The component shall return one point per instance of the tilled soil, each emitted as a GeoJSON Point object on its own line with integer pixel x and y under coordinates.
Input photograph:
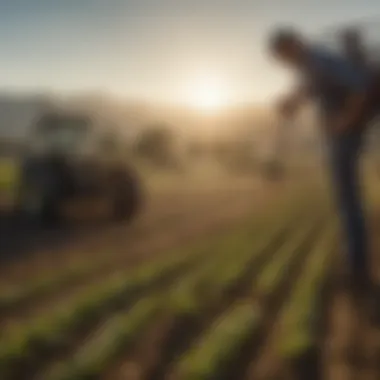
{"type": "Point", "coordinates": [350, 348]}
{"type": "Point", "coordinates": [157, 351]}
{"type": "Point", "coordinates": [195, 220]}
{"type": "Point", "coordinates": [350, 339]}
{"type": "Point", "coordinates": [164, 214]}
{"type": "Point", "coordinates": [352, 345]}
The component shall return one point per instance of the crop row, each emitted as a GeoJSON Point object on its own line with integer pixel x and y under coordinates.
{"type": "Point", "coordinates": [115, 336]}
{"type": "Point", "coordinates": [193, 308]}
{"type": "Point", "coordinates": [215, 353]}
{"type": "Point", "coordinates": [302, 319]}
{"type": "Point", "coordinates": [52, 332]}
{"type": "Point", "coordinates": [13, 296]}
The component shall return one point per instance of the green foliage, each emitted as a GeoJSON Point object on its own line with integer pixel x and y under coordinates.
{"type": "Point", "coordinates": [277, 267]}
{"type": "Point", "coordinates": [223, 339]}
{"type": "Point", "coordinates": [300, 318]}
{"type": "Point", "coordinates": [216, 266]}
{"type": "Point", "coordinates": [112, 338]}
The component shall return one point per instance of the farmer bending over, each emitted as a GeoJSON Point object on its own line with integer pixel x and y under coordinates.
{"type": "Point", "coordinates": [340, 90]}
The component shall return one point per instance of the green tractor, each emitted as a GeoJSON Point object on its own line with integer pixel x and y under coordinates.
{"type": "Point", "coordinates": [71, 157]}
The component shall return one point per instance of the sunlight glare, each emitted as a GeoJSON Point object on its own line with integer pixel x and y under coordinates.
{"type": "Point", "coordinates": [208, 94]}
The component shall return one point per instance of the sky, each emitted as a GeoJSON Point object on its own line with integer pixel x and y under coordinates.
{"type": "Point", "coordinates": [157, 50]}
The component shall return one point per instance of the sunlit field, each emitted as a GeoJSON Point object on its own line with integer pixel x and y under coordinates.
{"type": "Point", "coordinates": [166, 208]}
{"type": "Point", "coordinates": [221, 277]}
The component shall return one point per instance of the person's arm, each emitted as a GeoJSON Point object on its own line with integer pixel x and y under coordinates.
{"type": "Point", "coordinates": [289, 105]}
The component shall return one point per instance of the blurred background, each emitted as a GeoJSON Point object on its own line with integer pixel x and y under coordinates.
{"type": "Point", "coordinates": [191, 78]}
{"type": "Point", "coordinates": [130, 129]}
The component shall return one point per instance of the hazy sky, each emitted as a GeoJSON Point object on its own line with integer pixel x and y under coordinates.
{"type": "Point", "coordinates": [155, 49]}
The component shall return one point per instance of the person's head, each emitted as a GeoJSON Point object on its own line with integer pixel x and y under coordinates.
{"type": "Point", "coordinates": [352, 39]}
{"type": "Point", "coordinates": [288, 46]}
{"type": "Point", "coordinates": [353, 46]}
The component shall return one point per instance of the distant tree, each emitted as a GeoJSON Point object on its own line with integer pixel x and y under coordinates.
{"type": "Point", "coordinates": [157, 145]}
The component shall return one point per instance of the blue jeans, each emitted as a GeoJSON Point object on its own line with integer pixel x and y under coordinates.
{"type": "Point", "coordinates": [344, 164]}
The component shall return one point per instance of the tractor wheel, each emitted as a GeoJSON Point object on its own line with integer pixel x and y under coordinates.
{"type": "Point", "coordinates": [127, 199]}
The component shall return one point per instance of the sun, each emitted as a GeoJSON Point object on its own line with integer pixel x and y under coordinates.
{"type": "Point", "coordinates": [207, 94]}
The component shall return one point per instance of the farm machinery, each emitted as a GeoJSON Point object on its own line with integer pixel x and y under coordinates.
{"type": "Point", "coordinates": [68, 157]}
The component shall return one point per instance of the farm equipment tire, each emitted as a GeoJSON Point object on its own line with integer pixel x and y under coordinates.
{"type": "Point", "coordinates": [127, 197]}
{"type": "Point", "coordinates": [40, 200]}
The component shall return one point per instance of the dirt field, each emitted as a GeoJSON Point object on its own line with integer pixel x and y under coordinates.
{"type": "Point", "coordinates": [170, 220]}
{"type": "Point", "coordinates": [231, 315]}
{"type": "Point", "coordinates": [169, 216]}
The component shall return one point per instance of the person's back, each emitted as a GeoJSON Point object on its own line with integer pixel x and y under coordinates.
{"type": "Point", "coordinates": [331, 78]}
{"type": "Point", "coordinates": [353, 47]}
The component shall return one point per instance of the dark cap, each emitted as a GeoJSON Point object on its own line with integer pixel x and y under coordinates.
{"type": "Point", "coordinates": [282, 36]}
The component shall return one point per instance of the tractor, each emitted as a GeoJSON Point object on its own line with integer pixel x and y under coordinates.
{"type": "Point", "coordinates": [72, 157]}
